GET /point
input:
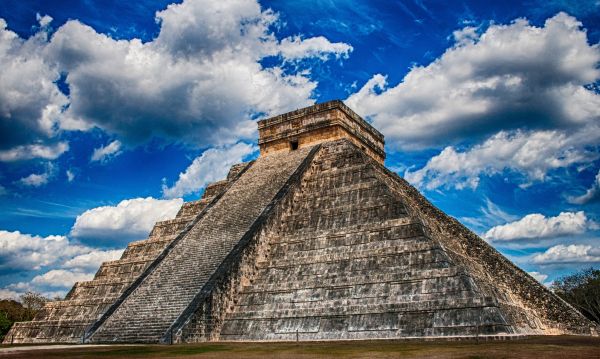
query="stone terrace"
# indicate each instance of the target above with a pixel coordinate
(149, 311)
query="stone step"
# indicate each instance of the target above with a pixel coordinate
(341, 217)
(150, 240)
(352, 262)
(331, 280)
(78, 309)
(214, 188)
(66, 331)
(365, 189)
(167, 291)
(98, 288)
(390, 291)
(357, 306)
(338, 160)
(336, 178)
(66, 321)
(279, 277)
(147, 248)
(77, 302)
(337, 331)
(339, 208)
(341, 203)
(192, 208)
(379, 248)
(53, 323)
(315, 298)
(413, 233)
(400, 323)
(170, 227)
(122, 262)
(383, 227)
(123, 268)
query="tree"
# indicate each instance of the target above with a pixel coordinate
(5, 324)
(581, 290)
(11, 311)
(33, 302)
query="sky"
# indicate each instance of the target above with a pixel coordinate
(112, 113)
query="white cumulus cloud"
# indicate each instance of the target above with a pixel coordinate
(48, 152)
(539, 226)
(93, 259)
(62, 261)
(61, 278)
(129, 220)
(568, 254)
(508, 77)
(105, 153)
(30, 102)
(514, 98)
(51, 284)
(294, 48)
(200, 81)
(20, 251)
(532, 154)
(212, 165)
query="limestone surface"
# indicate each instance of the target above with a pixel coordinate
(315, 240)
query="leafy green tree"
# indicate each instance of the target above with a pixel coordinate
(12, 311)
(581, 290)
(5, 324)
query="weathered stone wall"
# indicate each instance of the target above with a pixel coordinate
(206, 317)
(155, 304)
(325, 134)
(528, 306)
(345, 260)
(65, 321)
(328, 121)
(314, 244)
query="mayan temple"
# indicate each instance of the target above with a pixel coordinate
(314, 240)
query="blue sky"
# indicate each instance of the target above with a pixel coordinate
(112, 113)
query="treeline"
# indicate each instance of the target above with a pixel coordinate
(25, 309)
(581, 290)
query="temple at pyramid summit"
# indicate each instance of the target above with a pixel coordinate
(314, 240)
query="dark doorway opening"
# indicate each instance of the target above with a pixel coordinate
(293, 145)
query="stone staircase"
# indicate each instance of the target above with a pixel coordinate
(307, 243)
(348, 262)
(147, 313)
(65, 321)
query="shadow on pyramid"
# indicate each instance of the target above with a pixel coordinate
(315, 240)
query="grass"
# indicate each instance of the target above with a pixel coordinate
(560, 347)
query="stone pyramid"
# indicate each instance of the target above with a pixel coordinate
(314, 240)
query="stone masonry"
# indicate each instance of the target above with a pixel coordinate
(65, 321)
(174, 283)
(315, 240)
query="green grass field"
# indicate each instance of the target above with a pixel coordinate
(562, 347)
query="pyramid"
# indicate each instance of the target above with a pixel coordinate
(314, 240)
